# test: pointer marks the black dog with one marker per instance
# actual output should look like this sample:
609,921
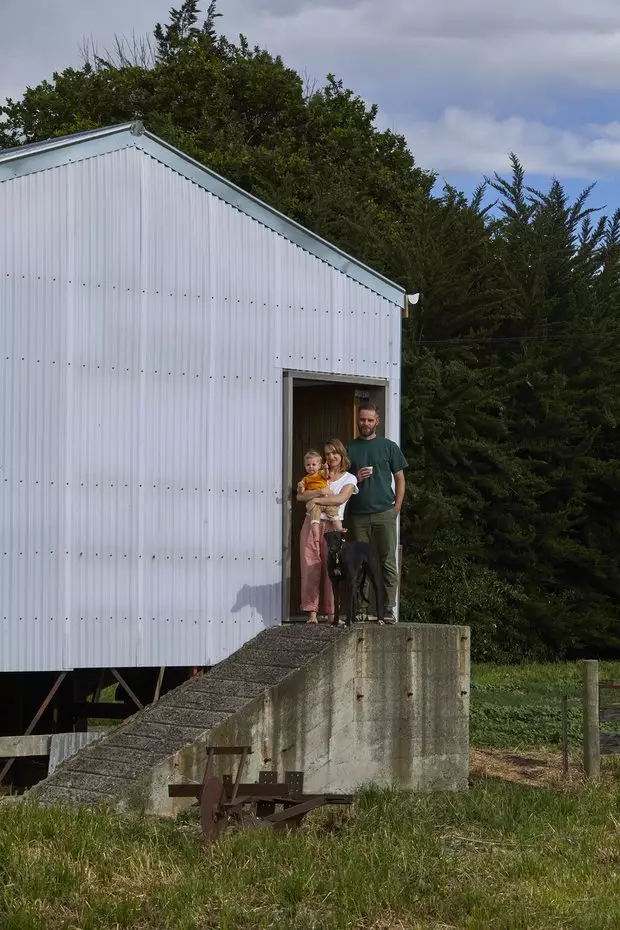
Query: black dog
350,564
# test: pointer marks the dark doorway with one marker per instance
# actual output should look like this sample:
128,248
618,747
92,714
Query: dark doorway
320,411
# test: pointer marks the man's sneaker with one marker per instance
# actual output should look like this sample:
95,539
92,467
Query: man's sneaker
388,615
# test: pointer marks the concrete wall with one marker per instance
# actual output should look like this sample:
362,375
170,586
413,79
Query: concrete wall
388,705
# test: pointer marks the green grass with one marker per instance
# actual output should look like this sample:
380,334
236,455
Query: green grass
519,706
550,676
108,696
498,856
502,856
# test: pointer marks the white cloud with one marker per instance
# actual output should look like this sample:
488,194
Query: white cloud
39,37
427,45
412,49
474,143
467,82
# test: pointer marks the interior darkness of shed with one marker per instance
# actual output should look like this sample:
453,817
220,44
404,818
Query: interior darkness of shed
321,410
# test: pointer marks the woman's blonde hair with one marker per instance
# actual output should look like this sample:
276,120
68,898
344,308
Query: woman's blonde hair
340,450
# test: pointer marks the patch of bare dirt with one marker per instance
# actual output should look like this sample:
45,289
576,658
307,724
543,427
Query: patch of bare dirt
527,768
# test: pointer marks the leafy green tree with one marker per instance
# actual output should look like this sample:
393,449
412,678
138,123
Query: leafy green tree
453,431
562,411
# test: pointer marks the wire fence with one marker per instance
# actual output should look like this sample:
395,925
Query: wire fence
579,720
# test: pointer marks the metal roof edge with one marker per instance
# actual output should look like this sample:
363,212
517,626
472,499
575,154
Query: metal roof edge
62,142
52,153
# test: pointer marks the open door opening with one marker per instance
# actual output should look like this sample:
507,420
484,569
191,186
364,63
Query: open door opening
317,410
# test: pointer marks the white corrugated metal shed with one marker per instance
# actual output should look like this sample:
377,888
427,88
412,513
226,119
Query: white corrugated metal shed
149,311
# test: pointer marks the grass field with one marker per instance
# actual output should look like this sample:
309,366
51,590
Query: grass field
501,855
498,856
519,707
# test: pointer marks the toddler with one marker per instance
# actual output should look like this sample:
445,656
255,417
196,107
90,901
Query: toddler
315,479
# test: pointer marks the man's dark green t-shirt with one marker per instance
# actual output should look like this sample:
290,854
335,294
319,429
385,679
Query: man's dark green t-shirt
375,493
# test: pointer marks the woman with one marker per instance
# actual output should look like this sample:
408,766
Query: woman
342,484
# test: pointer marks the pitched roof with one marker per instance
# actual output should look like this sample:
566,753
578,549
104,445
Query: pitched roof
41,156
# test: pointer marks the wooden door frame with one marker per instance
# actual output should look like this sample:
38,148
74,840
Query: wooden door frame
289,376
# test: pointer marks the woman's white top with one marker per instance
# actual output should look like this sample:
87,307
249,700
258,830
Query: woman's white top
336,487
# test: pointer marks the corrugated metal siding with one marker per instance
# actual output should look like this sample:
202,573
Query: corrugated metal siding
144,330
65,745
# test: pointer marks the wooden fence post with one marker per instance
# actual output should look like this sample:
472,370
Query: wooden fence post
591,735
565,735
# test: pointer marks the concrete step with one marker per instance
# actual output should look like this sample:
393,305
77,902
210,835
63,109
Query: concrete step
104,771
382,704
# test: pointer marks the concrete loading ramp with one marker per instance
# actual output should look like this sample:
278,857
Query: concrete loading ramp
371,703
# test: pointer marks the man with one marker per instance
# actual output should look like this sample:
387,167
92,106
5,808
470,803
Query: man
372,513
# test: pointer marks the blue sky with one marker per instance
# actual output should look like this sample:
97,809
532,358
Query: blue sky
466,82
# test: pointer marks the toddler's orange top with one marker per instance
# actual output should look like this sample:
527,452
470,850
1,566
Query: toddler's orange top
314,482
